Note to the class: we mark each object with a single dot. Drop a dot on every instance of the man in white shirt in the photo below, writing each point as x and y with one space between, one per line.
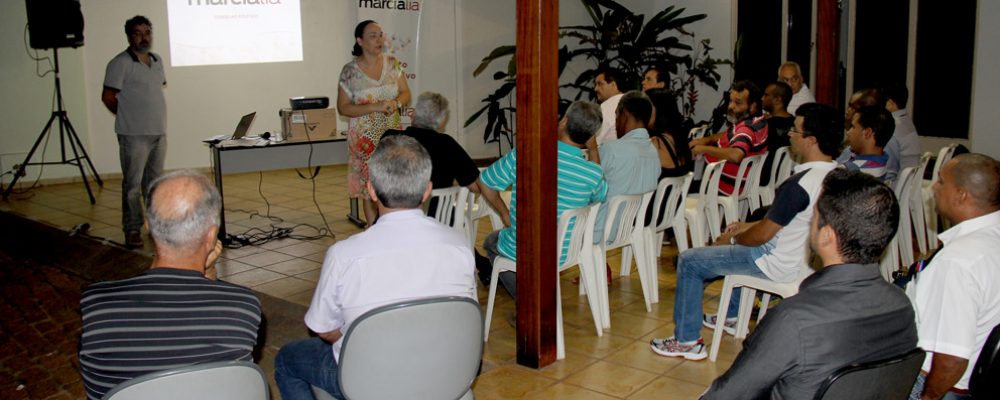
957 297
406 255
607 86
791 73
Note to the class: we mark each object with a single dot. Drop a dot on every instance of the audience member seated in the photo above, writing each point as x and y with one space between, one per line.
656 79
176 313
631 164
669 139
871 129
746 135
579 182
779 122
957 297
904 147
774 248
406 255
608 85
843 314
791 74
449 161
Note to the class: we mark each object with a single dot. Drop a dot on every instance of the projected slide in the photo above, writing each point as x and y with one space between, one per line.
215 32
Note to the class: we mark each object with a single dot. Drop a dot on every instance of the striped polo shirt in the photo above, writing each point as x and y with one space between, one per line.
580 183
162 319
750 136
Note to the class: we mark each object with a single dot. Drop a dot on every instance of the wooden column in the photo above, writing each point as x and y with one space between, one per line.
537 108
827 32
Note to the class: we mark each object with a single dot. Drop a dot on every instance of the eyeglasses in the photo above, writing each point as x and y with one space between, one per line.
801 133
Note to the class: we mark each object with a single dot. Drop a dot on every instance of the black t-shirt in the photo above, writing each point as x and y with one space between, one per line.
449 161
777 137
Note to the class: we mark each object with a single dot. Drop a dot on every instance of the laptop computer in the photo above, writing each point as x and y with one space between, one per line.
244 126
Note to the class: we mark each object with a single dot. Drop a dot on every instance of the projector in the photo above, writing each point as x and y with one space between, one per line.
309 103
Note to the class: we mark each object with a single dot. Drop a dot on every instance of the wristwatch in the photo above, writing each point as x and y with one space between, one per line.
732 240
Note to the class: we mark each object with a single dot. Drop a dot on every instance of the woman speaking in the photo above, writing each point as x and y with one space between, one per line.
372 91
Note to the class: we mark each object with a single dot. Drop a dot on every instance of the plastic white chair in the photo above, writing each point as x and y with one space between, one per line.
450 209
629 211
745 191
577 253
916 204
668 212
418 349
701 210
236 380
927 194
478 208
750 287
900 251
781 169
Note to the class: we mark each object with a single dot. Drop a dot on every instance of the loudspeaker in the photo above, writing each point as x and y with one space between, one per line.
55 23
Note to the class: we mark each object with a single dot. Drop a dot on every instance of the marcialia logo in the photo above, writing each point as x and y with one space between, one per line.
410 5
233 2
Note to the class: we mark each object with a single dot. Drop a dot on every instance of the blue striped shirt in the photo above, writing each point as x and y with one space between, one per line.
580 183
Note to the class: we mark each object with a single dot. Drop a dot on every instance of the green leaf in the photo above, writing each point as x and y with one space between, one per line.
498 52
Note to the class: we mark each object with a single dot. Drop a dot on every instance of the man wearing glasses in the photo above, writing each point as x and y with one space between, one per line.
773 248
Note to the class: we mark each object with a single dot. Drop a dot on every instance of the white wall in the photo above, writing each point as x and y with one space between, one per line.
205 101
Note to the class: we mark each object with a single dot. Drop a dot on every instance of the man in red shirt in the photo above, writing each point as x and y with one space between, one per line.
746 136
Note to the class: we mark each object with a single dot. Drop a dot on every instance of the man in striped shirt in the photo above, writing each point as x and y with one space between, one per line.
580 182
746 136
177 313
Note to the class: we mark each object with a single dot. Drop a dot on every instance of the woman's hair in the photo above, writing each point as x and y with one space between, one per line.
668 123
359 31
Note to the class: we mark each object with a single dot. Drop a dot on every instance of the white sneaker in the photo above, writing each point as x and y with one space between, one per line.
671 347
729 327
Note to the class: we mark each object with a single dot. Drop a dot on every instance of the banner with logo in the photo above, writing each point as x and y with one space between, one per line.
400 22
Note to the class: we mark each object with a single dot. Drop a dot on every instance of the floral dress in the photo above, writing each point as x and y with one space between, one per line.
364 132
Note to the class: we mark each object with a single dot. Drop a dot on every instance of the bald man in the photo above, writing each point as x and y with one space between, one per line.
791 74
208 320
958 294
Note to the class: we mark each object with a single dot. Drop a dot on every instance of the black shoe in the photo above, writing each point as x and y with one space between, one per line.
484 269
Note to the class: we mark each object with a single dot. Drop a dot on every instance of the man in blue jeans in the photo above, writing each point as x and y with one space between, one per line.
774 248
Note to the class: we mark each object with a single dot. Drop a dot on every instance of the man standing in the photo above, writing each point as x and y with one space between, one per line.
843 314
871 128
406 255
791 74
630 163
655 77
579 182
774 248
746 136
449 161
176 313
904 147
958 294
133 91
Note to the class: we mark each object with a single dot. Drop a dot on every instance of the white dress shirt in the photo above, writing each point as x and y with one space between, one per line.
608 108
802 97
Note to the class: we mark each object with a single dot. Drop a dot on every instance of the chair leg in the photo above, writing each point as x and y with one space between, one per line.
720 315
587 281
747 295
626 264
601 280
642 265
680 234
490 302
654 247
765 301
560 334
917 217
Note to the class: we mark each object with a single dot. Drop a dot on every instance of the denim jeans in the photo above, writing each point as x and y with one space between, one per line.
918 388
142 159
507 278
696 268
303 363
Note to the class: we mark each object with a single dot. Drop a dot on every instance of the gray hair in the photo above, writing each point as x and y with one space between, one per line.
180 220
431 110
793 64
399 171
583 120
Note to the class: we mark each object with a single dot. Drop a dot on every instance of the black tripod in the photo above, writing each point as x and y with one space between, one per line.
66 134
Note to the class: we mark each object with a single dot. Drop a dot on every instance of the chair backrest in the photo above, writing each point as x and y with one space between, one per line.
450 206
891 378
781 168
671 193
418 349
573 226
748 175
217 380
916 185
698 132
944 155
985 380
629 211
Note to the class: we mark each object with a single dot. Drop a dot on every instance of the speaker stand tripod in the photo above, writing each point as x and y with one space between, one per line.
66 134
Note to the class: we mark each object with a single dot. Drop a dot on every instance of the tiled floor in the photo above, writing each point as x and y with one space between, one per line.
617 364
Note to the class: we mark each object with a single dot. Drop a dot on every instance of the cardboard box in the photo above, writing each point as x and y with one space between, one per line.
320 124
